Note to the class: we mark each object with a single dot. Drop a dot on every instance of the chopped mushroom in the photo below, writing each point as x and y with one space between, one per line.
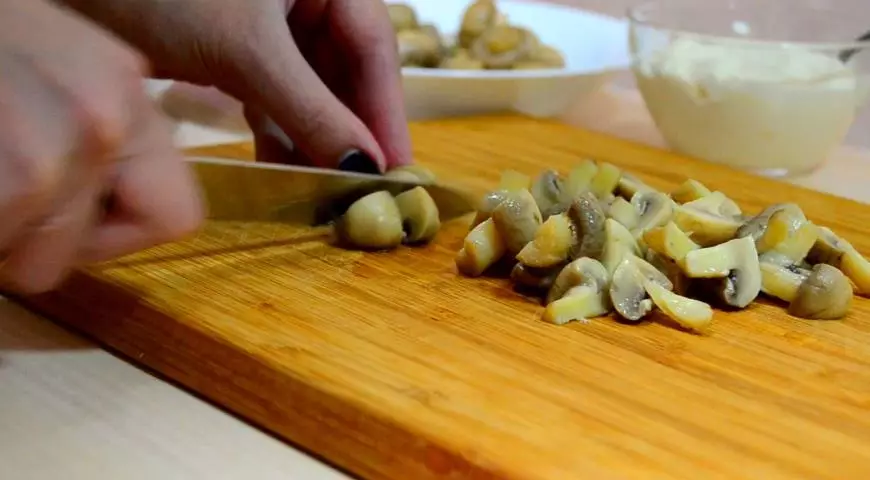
578 293
517 219
478 17
541 57
420 218
628 287
487 205
373 222
824 293
605 180
629 186
548 192
654 209
708 226
624 212
588 219
552 243
841 254
412 173
670 242
483 246
690 191
535 278
755 226
618 243
514 180
687 312
734 262
402 16
462 60
580 178
787 237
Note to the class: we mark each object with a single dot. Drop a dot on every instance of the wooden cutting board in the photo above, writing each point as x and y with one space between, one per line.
390 365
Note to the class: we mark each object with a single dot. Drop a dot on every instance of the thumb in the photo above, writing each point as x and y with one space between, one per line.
272 73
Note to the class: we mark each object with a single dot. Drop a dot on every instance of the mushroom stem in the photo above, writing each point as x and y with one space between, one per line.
579 303
483 246
689 191
735 262
780 282
687 312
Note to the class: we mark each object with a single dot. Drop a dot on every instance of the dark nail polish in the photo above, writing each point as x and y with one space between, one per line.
357 161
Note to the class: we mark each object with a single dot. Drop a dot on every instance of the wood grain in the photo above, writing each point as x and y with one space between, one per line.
392 366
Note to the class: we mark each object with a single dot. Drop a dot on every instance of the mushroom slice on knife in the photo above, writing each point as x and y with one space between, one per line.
578 293
823 293
412 173
628 287
420 217
517 219
588 218
483 246
734 262
552 243
687 312
372 222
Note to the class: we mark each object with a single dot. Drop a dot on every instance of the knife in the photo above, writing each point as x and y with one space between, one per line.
268 192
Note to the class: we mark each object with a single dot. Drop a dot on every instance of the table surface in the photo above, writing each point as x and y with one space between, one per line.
69 409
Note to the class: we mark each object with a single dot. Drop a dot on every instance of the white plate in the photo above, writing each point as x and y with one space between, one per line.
594 46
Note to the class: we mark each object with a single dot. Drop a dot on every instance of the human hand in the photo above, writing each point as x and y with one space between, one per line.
75 127
326 71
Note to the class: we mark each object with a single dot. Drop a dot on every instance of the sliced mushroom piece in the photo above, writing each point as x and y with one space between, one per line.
420 218
488 204
654 210
628 287
735 262
580 178
513 180
478 17
605 180
517 219
412 173
589 220
689 191
787 237
671 269
548 190
418 49
755 226
402 16
372 222
624 212
482 248
501 47
687 312
578 293
827 248
618 244
717 203
838 252
534 278
629 186
707 228
823 293
670 242
552 243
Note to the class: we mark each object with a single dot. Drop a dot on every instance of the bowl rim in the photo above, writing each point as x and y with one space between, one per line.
633 16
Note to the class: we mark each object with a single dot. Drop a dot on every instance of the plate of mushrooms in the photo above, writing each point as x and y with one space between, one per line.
467 57
597 241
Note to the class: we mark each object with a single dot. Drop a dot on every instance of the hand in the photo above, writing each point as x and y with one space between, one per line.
326 71
76 126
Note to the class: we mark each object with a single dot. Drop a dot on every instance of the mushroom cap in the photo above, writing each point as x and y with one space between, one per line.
734 262
826 294
402 16
502 46
581 272
627 287
589 219
487 205
517 219
756 226
420 216
373 221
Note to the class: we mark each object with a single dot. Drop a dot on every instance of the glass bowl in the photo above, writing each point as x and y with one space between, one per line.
756 85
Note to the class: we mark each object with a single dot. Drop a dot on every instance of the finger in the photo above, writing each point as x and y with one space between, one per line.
271 144
366 38
271 72
40 259
154 195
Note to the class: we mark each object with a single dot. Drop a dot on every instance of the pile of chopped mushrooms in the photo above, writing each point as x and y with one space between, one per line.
486 41
380 221
600 240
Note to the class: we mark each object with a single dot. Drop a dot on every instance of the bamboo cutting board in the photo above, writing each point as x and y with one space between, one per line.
391 365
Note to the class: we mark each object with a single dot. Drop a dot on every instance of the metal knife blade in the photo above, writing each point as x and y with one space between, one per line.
255 191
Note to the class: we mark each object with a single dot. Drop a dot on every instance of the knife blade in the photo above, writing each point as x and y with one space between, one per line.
256 191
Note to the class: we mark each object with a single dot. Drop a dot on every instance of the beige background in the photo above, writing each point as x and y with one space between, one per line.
70 410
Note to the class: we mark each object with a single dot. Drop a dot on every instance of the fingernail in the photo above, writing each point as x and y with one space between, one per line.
358 161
